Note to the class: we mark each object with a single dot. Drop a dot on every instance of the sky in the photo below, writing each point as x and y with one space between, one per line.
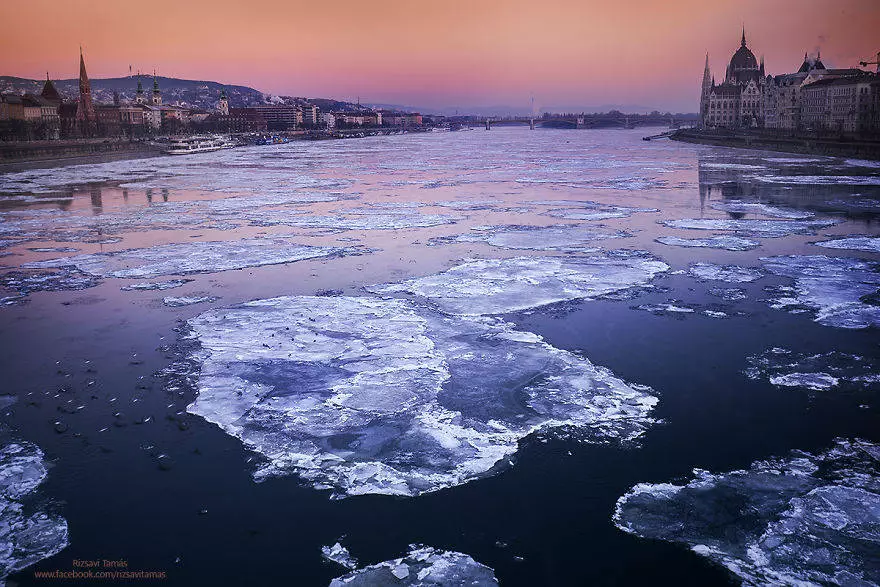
568 54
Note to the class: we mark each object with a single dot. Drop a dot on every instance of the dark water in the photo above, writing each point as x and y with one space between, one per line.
176 493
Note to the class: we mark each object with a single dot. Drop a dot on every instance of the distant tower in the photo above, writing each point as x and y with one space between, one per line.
85 110
223 106
49 92
157 95
139 95
708 82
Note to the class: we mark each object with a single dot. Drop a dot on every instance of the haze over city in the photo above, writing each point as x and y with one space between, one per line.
568 54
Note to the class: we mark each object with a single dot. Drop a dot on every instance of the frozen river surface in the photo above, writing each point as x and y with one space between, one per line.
510 357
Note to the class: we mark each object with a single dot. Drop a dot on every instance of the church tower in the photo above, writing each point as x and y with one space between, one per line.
139 95
706 90
85 110
157 95
223 106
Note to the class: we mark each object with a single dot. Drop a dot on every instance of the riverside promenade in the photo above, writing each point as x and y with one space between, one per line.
852 147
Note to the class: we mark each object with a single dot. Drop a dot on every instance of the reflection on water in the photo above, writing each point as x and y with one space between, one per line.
610 283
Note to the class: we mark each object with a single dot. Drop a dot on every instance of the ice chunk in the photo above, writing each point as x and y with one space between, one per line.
729 243
566 238
373 221
804 519
157 286
729 294
339 555
761 228
817 371
745 207
180 301
422 566
64 279
498 286
728 273
842 291
193 257
814 381
25 538
363 395
855 243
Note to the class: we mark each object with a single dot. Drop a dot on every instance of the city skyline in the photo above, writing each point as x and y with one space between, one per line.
472 55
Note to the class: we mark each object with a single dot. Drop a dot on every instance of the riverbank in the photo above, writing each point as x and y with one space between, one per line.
21 156
832 147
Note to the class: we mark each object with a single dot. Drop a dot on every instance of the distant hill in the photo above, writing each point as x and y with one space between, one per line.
192 93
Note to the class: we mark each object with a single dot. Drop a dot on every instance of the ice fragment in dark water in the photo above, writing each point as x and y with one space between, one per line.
422 566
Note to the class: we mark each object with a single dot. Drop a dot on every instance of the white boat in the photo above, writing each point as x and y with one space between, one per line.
197 145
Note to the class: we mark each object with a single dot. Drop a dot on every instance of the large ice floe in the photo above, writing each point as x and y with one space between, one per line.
192 257
840 290
569 238
26 537
498 286
816 371
746 207
362 395
727 273
760 228
726 242
804 519
853 243
422 566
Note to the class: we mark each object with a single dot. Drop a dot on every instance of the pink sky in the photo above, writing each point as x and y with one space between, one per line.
436 54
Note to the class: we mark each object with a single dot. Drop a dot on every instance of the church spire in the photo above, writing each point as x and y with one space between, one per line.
744 36
85 110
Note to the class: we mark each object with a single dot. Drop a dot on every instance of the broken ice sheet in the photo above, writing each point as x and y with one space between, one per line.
373 221
422 566
570 238
339 555
817 371
62 279
181 301
499 286
728 273
26 537
760 228
193 257
841 291
803 519
746 207
362 395
729 243
156 286
854 243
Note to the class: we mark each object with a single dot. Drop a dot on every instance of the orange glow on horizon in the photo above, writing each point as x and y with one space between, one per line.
567 53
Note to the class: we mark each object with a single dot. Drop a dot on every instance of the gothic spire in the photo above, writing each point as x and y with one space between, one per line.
744 36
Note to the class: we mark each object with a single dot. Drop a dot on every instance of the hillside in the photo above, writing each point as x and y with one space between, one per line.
193 93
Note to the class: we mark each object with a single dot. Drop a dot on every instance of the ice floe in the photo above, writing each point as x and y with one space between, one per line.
422 566
340 555
760 228
362 395
802 519
339 222
498 286
156 286
817 371
726 242
64 279
745 207
853 243
26 537
181 301
192 257
565 238
728 273
841 291
729 294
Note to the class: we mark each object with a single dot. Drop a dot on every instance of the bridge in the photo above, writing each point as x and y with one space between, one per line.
578 121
